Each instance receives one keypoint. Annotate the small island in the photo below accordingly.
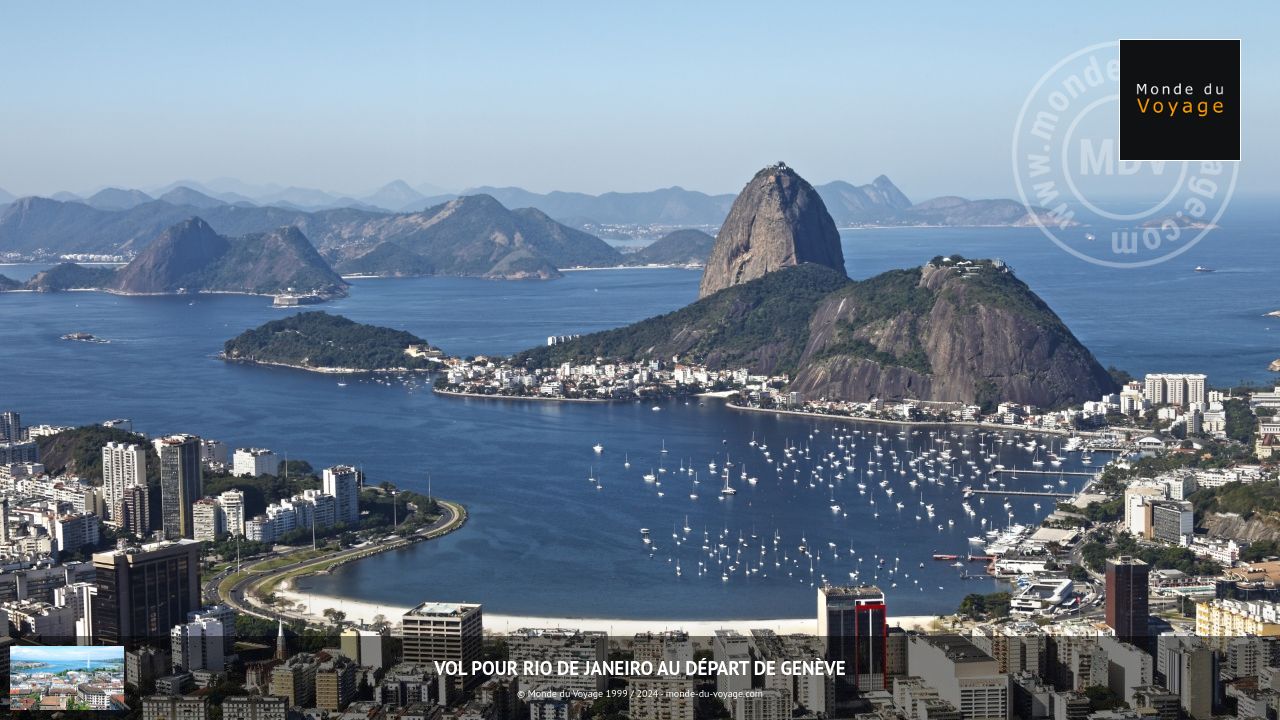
(319, 342)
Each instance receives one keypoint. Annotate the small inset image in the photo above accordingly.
(66, 677)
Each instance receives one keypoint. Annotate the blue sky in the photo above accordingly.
(571, 96)
(64, 653)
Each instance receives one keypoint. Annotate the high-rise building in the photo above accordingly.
(1182, 389)
(11, 426)
(135, 511)
(732, 646)
(213, 454)
(1173, 521)
(181, 483)
(341, 481)
(144, 591)
(853, 622)
(206, 520)
(232, 504)
(199, 645)
(436, 631)
(335, 683)
(124, 465)
(1127, 611)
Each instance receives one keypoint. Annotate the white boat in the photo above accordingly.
(598, 448)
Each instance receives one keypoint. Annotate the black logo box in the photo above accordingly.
(1185, 65)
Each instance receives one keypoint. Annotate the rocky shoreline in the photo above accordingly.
(322, 370)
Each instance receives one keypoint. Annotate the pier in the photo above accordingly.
(1026, 493)
(1055, 473)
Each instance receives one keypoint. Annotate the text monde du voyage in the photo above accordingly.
(624, 668)
(1180, 99)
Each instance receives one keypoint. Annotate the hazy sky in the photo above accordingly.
(589, 97)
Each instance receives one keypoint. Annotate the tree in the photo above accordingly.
(335, 616)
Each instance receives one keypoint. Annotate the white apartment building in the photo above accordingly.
(231, 502)
(252, 462)
(124, 465)
(342, 482)
(1179, 389)
(206, 519)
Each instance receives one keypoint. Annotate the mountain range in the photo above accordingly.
(877, 203)
(472, 235)
(775, 298)
(191, 257)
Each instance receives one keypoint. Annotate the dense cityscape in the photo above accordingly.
(1148, 593)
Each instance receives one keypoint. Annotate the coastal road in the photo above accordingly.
(234, 591)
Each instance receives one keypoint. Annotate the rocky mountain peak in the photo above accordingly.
(777, 221)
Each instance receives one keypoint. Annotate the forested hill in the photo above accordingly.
(320, 341)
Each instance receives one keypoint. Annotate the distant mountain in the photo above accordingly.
(852, 203)
(474, 235)
(117, 199)
(668, 206)
(396, 196)
(32, 225)
(387, 259)
(300, 198)
(882, 203)
(7, 283)
(190, 256)
(681, 247)
(64, 196)
(185, 196)
(953, 211)
(5, 197)
(778, 220)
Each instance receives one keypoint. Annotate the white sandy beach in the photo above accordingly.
(356, 610)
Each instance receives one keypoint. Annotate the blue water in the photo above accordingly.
(542, 539)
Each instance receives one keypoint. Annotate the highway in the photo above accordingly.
(236, 595)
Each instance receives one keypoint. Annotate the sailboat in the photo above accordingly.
(727, 489)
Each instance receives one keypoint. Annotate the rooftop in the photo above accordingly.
(956, 648)
(443, 609)
(869, 592)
